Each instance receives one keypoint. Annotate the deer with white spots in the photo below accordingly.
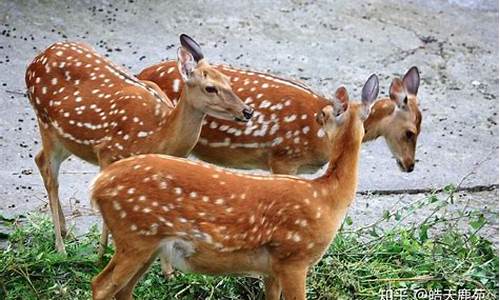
(207, 220)
(283, 137)
(98, 111)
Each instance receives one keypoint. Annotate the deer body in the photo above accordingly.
(84, 100)
(89, 107)
(208, 220)
(283, 137)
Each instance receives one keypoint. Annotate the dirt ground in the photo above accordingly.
(323, 43)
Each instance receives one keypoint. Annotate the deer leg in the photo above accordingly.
(103, 241)
(124, 267)
(126, 292)
(105, 274)
(272, 288)
(49, 161)
(293, 283)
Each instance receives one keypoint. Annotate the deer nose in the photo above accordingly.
(248, 113)
(410, 167)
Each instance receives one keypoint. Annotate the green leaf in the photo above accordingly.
(450, 189)
(478, 223)
(373, 232)
(39, 256)
(423, 233)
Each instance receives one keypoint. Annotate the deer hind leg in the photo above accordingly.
(49, 161)
(105, 274)
(293, 282)
(126, 292)
(272, 288)
(122, 273)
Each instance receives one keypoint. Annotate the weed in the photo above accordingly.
(434, 254)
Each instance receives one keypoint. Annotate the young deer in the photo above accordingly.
(208, 220)
(96, 110)
(283, 137)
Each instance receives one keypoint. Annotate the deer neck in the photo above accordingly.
(183, 127)
(338, 185)
(375, 124)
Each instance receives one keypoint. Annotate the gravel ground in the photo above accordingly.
(454, 44)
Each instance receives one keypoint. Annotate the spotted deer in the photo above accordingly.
(283, 137)
(98, 111)
(208, 220)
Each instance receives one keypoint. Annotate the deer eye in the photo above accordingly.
(338, 111)
(410, 135)
(211, 89)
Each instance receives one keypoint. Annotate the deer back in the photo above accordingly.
(89, 101)
(283, 124)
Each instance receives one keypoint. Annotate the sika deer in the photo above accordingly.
(208, 220)
(398, 119)
(89, 107)
(283, 137)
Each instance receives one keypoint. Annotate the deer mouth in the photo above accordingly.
(247, 115)
(241, 120)
(403, 168)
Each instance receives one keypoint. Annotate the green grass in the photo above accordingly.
(433, 254)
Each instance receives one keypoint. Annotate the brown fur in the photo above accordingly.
(225, 222)
(302, 150)
(89, 107)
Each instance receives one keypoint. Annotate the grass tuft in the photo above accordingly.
(391, 253)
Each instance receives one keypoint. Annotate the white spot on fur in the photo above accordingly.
(175, 85)
(265, 104)
(290, 118)
(321, 133)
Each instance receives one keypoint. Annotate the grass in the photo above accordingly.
(391, 253)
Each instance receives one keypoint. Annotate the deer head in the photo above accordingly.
(332, 117)
(206, 88)
(403, 127)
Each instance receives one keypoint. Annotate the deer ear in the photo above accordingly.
(340, 104)
(397, 93)
(368, 94)
(192, 46)
(370, 90)
(342, 97)
(185, 63)
(411, 80)
(323, 115)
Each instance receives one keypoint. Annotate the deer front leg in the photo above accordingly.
(49, 160)
(293, 282)
(104, 160)
(272, 288)
(103, 242)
